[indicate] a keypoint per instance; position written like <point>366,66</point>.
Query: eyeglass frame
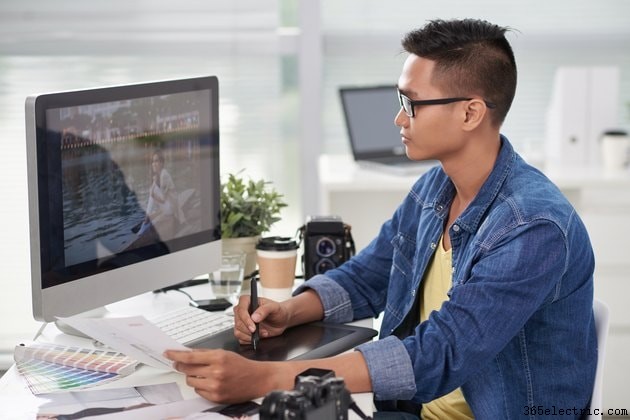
<point>441,101</point>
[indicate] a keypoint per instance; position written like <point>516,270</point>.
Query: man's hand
<point>272,317</point>
<point>223,376</point>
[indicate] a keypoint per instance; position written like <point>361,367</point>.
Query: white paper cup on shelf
<point>276,257</point>
<point>615,146</point>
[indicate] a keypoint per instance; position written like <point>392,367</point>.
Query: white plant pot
<point>246,245</point>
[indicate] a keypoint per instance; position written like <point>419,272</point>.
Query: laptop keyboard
<point>188,324</point>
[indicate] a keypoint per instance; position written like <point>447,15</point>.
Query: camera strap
<point>299,234</point>
<point>349,241</point>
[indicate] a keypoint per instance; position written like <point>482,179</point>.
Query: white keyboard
<point>189,324</point>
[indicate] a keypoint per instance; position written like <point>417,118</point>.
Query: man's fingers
<point>243,337</point>
<point>196,371</point>
<point>194,357</point>
<point>266,307</point>
<point>243,324</point>
<point>241,313</point>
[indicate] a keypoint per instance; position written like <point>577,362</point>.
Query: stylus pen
<point>253,305</point>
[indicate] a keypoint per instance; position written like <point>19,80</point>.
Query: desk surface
<point>341,172</point>
<point>365,198</point>
<point>17,402</point>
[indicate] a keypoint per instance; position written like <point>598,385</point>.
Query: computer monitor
<point>123,186</point>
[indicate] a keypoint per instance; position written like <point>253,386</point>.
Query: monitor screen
<point>123,191</point>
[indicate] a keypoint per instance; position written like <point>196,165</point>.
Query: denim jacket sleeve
<point>357,290</point>
<point>389,364</point>
<point>335,299</point>
<point>361,282</point>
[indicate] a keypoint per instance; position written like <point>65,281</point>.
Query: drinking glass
<point>228,280</point>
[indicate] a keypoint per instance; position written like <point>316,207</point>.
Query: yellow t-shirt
<point>437,282</point>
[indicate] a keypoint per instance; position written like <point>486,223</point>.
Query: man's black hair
<point>472,57</point>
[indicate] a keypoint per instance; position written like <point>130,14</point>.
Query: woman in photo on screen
<point>162,203</point>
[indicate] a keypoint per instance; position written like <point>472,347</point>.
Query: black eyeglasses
<point>408,105</point>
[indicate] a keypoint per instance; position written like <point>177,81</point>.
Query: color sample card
<point>52,368</point>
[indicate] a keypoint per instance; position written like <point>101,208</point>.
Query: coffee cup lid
<point>615,133</point>
<point>277,243</point>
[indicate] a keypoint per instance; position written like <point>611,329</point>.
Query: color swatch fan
<point>52,368</point>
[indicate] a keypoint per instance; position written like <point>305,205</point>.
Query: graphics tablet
<point>309,341</point>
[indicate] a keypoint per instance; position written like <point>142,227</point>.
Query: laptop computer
<point>375,142</point>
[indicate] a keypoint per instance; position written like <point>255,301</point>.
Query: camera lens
<point>324,265</point>
<point>314,390</point>
<point>325,247</point>
<point>281,405</point>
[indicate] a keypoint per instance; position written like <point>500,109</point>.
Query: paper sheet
<point>134,336</point>
<point>83,404</point>
<point>179,410</point>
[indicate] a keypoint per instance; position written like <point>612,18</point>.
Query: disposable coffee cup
<point>615,147</point>
<point>276,257</point>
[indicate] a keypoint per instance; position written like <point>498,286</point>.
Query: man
<point>484,272</point>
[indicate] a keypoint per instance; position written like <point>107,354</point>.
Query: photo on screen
<point>131,173</point>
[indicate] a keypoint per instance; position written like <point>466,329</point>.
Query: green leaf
<point>248,207</point>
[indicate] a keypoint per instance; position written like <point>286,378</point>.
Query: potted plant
<point>248,209</point>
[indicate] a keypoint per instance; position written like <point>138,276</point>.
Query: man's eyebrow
<point>405,92</point>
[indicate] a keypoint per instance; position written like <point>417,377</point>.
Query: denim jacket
<point>517,333</point>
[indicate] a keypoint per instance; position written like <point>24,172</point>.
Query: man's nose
<point>401,119</point>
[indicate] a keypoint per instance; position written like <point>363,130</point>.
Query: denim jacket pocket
<point>402,258</point>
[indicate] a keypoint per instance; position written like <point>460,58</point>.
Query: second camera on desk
<point>327,244</point>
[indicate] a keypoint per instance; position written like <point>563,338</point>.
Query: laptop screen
<point>369,113</point>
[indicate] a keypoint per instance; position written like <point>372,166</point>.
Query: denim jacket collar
<point>472,216</point>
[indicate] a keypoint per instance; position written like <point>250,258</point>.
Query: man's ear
<point>474,113</point>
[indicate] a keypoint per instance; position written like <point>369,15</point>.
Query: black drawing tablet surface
<point>309,341</point>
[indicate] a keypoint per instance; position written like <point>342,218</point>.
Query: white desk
<point>17,402</point>
<point>365,198</point>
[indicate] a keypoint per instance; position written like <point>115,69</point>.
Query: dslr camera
<point>327,244</point>
<point>317,395</point>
